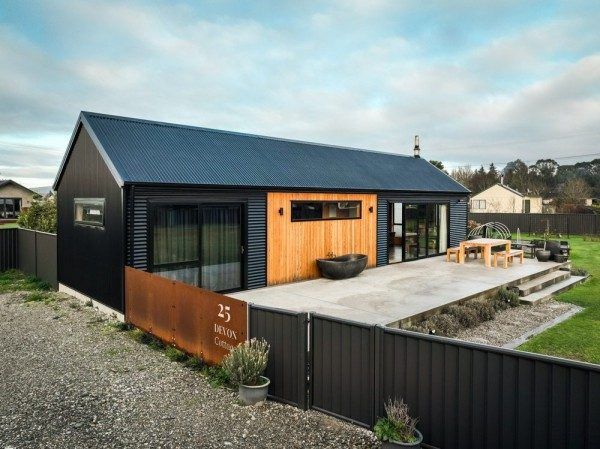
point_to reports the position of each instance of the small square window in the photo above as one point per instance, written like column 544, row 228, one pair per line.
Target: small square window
column 89, row 211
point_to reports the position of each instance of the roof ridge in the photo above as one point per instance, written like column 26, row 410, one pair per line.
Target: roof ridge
column 236, row 133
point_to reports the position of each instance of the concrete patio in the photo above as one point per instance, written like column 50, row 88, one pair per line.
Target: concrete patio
column 392, row 294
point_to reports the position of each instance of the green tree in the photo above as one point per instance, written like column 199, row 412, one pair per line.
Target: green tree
column 439, row 165
column 41, row 216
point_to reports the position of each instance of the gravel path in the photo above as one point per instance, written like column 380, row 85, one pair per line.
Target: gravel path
column 513, row 323
column 69, row 380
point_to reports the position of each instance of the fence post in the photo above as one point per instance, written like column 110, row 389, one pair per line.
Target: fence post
column 377, row 370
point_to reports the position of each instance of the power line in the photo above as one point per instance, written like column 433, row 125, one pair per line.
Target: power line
column 528, row 161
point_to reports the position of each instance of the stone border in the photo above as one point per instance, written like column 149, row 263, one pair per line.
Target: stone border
column 541, row 328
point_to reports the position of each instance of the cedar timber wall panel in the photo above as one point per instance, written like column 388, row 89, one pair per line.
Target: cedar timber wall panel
column 293, row 247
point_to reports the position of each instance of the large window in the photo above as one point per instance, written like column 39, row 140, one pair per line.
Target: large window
column 325, row 210
column 89, row 211
column 10, row 207
column 199, row 244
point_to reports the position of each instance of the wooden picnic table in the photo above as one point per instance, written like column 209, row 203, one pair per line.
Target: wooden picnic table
column 484, row 243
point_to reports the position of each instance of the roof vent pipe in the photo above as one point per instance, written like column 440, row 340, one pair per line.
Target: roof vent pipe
column 417, row 150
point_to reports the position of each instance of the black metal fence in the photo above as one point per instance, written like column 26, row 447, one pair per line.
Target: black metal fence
column 32, row 252
column 465, row 395
column 584, row 224
column 9, row 249
column 286, row 333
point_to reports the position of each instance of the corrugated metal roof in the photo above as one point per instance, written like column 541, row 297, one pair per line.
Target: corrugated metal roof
column 143, row 151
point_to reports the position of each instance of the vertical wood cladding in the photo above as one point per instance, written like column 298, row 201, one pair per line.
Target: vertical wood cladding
column 90, row 259
column 295, row 246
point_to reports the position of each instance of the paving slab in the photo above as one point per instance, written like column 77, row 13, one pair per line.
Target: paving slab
column 386, row 295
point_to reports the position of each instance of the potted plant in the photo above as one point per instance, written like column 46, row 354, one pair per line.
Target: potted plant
column 543, row 255
column 397, row 429
column 245, row 365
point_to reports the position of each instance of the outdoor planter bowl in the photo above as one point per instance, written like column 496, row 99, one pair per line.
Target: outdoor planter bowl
column 253, row 394
column 396, row 444
column 342, row 267
column 543, row 255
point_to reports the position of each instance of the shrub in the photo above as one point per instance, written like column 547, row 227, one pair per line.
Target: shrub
column 484, row 309
column 579, row 272
column 506, row 298
column 442, row 324
column 41, row 216
column 398, row 425
column 466, row 316
column 247, row 362
column 175, row 354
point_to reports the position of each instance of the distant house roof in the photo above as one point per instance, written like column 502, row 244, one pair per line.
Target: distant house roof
column 142, row 151
column 501, row 185
column 5, row 182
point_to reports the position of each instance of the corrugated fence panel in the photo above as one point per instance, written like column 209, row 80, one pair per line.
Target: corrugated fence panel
column 27, row 252
column 286, row 333
column 583, row 224
column 474, row 396
column 9, row 249
column 46, row 261
column 343, row 369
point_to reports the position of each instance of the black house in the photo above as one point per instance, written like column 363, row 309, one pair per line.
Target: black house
column 229, row 211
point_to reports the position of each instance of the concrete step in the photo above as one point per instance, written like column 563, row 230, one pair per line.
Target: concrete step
column 555, row 289
column 541, row 282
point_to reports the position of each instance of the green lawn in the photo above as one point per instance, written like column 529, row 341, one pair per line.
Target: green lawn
column 8, row 225
column 578, row 337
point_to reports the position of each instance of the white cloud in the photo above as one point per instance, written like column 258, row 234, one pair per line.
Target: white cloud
column 323, row 82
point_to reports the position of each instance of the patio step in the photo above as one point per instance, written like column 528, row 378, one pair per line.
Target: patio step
column 555, row 289
column 541, row 282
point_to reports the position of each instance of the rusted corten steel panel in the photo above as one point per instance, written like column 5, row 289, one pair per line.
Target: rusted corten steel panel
column 197, row 321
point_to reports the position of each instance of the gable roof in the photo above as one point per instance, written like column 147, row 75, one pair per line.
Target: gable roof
column 501, row 185
column 142, row 151
column 5, row 182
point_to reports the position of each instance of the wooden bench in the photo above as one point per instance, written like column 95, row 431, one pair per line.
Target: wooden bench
column 456, row 252
column 508, row 256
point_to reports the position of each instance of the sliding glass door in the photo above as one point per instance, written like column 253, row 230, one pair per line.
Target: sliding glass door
column 221, row 243
column 423, row 232
column 199, row 244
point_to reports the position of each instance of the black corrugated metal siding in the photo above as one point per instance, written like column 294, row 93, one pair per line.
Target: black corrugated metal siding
column 90, row 259
column 140, row 197
column 458, row 216
column 458, row 222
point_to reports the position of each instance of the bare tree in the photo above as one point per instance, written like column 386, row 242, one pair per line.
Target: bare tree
column 573, row 195
column 463, row 175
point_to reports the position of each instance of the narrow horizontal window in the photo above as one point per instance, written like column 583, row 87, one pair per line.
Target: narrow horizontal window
column 89, row 211
column 325, row 210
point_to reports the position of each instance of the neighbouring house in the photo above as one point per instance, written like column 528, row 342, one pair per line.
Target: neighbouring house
column 14, row 198
column 591, row 201
column 229, row 211
column 501, row 198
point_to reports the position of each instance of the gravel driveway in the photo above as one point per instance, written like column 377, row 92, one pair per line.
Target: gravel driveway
column 69, row 380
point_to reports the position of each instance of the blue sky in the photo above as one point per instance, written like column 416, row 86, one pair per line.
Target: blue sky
column 480, row 82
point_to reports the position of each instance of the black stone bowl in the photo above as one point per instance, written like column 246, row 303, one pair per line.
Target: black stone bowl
column 342, row 267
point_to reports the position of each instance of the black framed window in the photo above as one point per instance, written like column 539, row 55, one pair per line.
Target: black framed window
column 325, row 210
column 89, row 211
column 10, row 207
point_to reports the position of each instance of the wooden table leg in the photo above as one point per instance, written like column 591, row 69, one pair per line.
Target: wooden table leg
column 487, row 256
column 461, row 254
